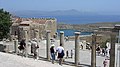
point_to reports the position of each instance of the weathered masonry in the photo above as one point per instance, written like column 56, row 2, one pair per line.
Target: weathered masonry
column 33, row 25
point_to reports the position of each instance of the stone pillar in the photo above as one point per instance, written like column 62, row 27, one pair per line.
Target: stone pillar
column 119, row 37
column 119, row 56
column 93, row 53
column 37, row 37
column 118, row 49
column 112, row 50
column 48, row 45
column 16, row 45
column 26, row 41
column 62, row 38
column 77, row 49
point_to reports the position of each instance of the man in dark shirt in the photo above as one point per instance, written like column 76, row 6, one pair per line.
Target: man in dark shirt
column 52, row 51
column 22, row 46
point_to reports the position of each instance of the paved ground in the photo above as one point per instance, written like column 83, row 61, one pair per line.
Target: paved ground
column 85, row 55
column 10, row 60
column 85, row 58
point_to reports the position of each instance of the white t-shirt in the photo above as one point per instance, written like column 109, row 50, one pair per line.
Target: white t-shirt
column 34, row 44
column 59, row 49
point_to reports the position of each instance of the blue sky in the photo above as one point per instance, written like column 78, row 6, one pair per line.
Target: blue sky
column 51, row 5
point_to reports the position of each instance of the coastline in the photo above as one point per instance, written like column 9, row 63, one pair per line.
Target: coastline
column 88, row 38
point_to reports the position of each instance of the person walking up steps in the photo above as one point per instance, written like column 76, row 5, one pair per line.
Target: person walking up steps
column 60, row 51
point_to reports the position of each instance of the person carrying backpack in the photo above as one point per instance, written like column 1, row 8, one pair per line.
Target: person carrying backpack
column 60, row 51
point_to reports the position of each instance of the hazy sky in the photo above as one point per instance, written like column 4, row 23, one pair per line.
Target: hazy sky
column 51, row 5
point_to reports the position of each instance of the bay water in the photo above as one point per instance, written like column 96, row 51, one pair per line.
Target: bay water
column 70, row 32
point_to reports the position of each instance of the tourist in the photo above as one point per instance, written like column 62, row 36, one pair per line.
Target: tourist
column 107, row 53
column 67, row 54
column 103, row 51
column 52, row 51
column 81, row 46
column 98, row 50
column 105, row 62
column 60, row 51
column 32, row 46
column 71, row 53
column 35, row 48
column 67, row 38
column 22, row 46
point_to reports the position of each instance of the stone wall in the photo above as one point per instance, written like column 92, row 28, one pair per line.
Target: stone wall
column 32, row 24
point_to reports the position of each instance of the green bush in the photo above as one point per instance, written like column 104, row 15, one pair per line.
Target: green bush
column 5, row 23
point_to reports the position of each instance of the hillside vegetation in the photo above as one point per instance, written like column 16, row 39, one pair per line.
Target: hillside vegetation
column 86, row 27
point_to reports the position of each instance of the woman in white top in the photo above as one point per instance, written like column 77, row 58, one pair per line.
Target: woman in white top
column 60, row 51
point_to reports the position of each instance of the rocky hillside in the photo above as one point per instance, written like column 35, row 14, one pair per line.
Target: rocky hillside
column 86, row 27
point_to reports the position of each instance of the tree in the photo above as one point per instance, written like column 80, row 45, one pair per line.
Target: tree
column 5, row 23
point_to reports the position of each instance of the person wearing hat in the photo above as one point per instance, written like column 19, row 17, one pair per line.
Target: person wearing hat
column 52, row 51
column 35, row 47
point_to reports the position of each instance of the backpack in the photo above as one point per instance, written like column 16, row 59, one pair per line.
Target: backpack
column 37, row 46
column 62, row 53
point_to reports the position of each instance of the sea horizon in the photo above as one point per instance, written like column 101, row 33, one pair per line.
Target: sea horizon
column 70, row 16
column 81, row 19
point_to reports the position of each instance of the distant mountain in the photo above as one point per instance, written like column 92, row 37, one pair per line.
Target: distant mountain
column 36, row 13
column 69, row 16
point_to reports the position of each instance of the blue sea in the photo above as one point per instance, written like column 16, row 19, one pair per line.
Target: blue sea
column 70, row 32
column 84, row 19
column 88, row 19
column 79, row 19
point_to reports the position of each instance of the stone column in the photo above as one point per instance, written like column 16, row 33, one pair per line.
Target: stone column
column 26, row 41
column 62, row 38
column 112, row 50
column 48, row 45
column 119, row 47
column 93, row 53
column 77, row 49
column 119, row 37
column 37, row 37
column 119, row 56
column 16, row 45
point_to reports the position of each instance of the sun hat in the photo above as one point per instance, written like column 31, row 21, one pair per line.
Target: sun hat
column 53, row 45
